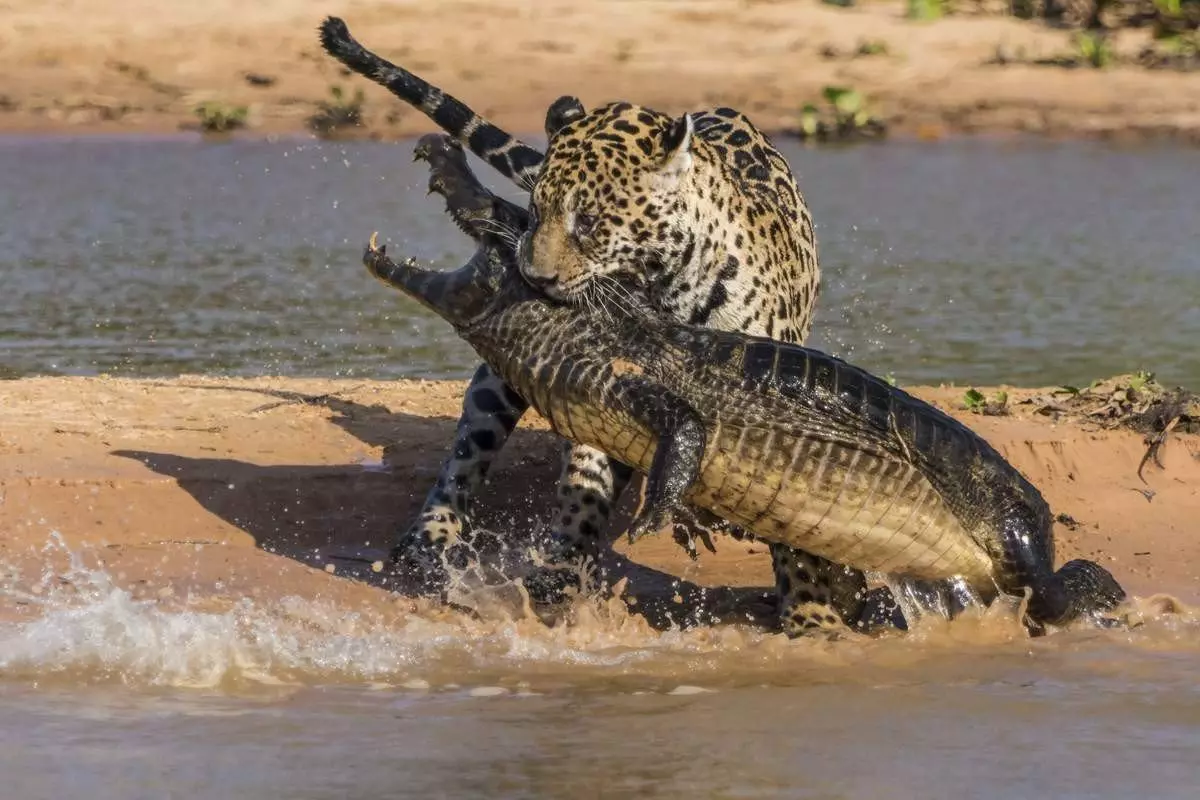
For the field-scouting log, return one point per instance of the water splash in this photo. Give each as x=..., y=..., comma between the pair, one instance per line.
x=76, y=624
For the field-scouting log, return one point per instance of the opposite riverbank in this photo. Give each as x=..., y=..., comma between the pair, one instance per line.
x=133, y=66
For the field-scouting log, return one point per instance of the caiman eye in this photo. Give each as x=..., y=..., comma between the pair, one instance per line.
x=584, y=225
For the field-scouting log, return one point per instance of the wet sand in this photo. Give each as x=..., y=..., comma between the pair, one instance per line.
x=218, y=489
x=134, y=66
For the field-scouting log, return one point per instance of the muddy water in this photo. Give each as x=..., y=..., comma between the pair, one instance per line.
x=118, y=698
x=981, y=262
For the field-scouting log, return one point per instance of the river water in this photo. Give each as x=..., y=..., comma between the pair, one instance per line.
x=976, y=261
x=112, y=697
x=1030, y=263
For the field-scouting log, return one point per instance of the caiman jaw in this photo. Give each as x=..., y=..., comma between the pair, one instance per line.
x=457, y=297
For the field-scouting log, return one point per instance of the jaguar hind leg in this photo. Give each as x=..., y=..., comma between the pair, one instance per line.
x=490, y=412
x=816, y=594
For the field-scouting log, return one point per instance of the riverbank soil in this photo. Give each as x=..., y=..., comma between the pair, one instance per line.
x=209, y=490
x=137, y=66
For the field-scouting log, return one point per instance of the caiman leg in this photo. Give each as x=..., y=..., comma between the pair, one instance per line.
x=680, y=447
x=804, y=581
x=812, y=591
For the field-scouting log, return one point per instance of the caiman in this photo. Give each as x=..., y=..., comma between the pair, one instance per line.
x=794, y=445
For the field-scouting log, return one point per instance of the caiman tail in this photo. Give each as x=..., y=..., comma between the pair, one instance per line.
x=1079, y=588
x=511, y=157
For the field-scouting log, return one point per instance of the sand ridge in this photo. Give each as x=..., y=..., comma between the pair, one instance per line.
x=136, y=66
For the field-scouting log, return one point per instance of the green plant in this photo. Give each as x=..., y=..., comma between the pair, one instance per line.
x=1094, y=48
x=849, y=108
x=215, y=117
x=340, y=112
x=925, y=9
x=810, y=121
x=872, y=47
x=1140, y=380
x=1177, y=44
x=974, y=401
x=890, y=378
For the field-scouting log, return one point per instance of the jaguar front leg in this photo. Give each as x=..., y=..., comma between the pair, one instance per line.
x=591, y=482
x=490, y=413
x=588, y=487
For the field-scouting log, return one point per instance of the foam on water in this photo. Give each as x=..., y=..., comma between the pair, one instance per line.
x=77, y=625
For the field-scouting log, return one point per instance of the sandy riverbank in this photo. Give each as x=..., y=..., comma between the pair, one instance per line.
x=134, y=66
x=215, y=489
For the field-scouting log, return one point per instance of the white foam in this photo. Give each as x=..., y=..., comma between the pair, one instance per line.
x=91, y=629
x=88, y=629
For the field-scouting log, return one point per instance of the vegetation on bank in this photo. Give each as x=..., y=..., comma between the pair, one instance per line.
x=845, y=118
x=339, y=113
x=1174, y=26
x=843, y=115
x=975, y=401
x=217, y=117
x=1136, y=401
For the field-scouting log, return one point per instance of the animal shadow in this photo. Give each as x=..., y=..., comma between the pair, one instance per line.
x=349, y=514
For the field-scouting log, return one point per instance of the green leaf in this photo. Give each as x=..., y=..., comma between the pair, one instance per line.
x=809, y=119
x=974, y=399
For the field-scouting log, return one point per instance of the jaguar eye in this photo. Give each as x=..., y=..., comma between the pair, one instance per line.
x=584, y=224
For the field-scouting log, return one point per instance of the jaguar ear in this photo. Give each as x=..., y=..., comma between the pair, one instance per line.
x=563, y=112
x=677, y=148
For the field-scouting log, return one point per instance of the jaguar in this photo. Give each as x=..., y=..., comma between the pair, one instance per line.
x=698, y=213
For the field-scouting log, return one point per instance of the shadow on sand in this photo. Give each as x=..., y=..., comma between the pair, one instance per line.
x=348, y=514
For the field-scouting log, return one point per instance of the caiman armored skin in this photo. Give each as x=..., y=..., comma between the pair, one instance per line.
x=795, y=446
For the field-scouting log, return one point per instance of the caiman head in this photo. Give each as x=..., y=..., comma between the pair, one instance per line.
x=461, y=297
x=466, y=295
